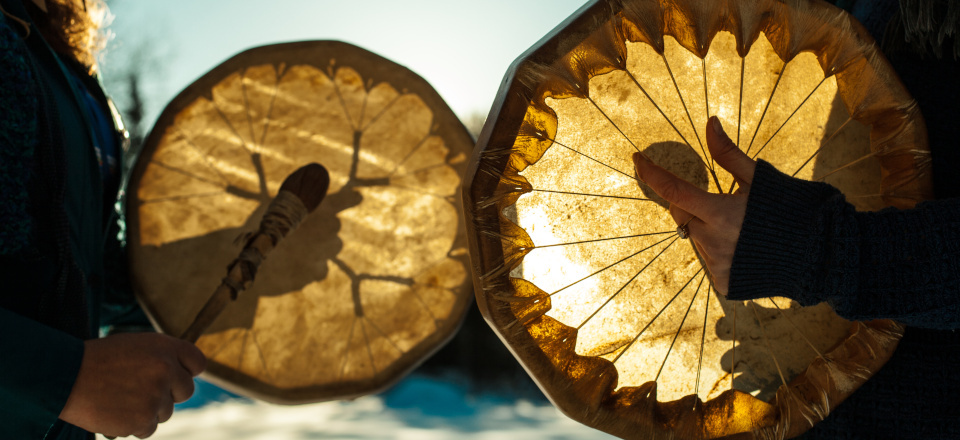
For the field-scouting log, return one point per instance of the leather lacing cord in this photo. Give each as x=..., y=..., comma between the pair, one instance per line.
x=284, y=214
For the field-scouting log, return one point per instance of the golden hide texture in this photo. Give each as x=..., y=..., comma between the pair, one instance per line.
x=370, y=284
x=579, y=269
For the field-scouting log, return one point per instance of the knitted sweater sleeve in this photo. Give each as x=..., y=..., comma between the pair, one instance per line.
x=803, y=241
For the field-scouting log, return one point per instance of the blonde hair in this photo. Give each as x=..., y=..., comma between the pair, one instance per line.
x=74, y=28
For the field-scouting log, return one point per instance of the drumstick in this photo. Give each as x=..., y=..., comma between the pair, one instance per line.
x=299, y=195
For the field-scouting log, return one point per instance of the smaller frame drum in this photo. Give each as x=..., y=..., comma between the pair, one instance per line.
x=370, y=284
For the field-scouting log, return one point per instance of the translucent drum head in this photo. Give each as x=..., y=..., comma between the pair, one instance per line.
x=579, y=268
x=370, y=284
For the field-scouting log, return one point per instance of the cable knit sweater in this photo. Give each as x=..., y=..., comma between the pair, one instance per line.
x=803, y=241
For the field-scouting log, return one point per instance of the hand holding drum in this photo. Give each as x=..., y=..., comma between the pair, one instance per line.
x=299, y=195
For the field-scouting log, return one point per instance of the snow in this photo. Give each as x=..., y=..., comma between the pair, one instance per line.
x=419, y=408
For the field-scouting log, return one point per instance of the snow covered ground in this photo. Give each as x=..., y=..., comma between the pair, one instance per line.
x=418, y=408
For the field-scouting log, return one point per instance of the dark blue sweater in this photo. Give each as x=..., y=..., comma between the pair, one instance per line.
x=902, y=265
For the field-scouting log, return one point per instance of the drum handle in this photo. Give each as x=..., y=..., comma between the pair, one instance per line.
x=299, y=195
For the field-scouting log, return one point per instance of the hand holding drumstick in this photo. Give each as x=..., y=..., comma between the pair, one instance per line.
x=127, y=383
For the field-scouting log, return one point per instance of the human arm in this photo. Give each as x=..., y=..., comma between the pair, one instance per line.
x=802, y=240
x=118, y=385
x=37, y=371
x=780, y=236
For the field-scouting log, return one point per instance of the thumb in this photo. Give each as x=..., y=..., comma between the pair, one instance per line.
x=728, y=155
x=673, y=189
x=191, y=357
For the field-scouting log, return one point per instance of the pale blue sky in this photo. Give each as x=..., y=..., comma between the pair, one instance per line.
x=463, y=48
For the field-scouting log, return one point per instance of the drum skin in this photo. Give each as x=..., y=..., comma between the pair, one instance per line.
x=370, y=284
x=578, y=267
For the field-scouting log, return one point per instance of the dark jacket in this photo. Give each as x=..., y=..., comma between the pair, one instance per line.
x=59, y=235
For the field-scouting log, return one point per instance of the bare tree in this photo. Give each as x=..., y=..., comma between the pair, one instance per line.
x=474, y=122
x=133, y=112
x=133, y=71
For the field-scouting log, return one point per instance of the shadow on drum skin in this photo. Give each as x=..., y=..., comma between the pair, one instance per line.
x=684, y=162
x=679, y=159
x=386, y=234
x=306, y=256
x=302, y=258
x=852, y=180
x=756, y=372
x=295, y=263
x=754, y=375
